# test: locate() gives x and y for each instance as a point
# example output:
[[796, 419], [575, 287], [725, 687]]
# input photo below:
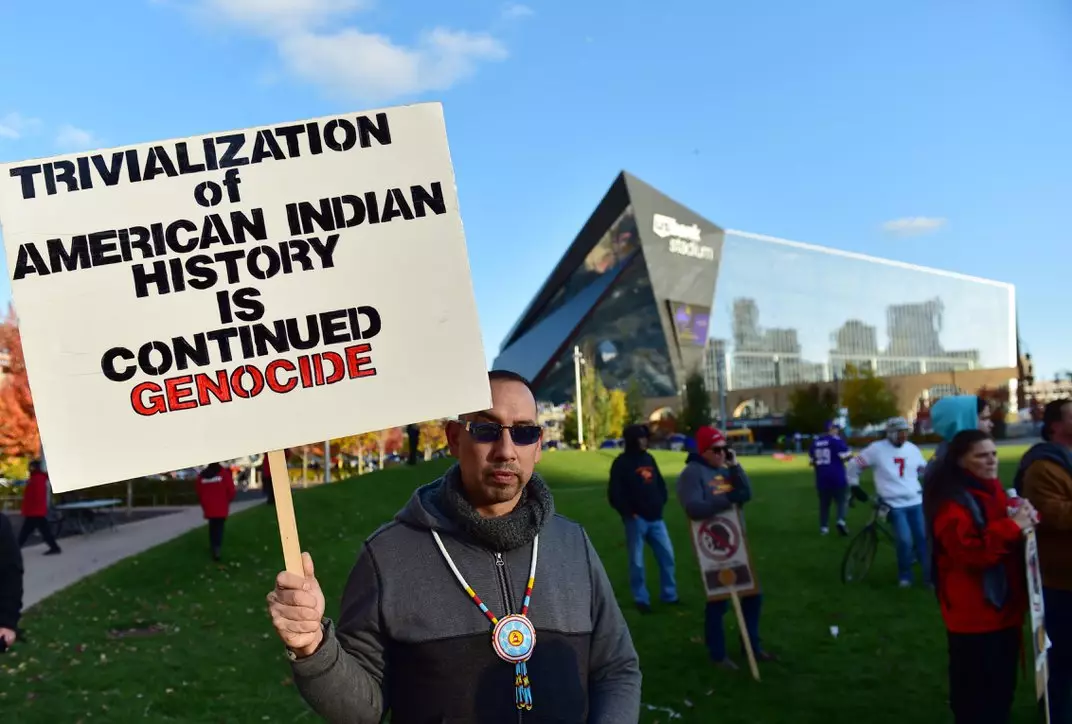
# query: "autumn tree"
[[810, 408], [695, 405], [617, 413], [19, 436], [433, 437], [868, 398]]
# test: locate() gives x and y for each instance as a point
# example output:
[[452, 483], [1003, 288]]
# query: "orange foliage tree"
[[433, 436], [19, 436]]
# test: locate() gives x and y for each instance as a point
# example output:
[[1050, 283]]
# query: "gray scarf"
[[505, 533]]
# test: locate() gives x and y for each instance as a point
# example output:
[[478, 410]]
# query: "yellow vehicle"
[[742, 435]]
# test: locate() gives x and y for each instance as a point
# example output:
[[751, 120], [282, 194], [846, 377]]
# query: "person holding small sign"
[[713, 481], [442, 611], [980, 575]]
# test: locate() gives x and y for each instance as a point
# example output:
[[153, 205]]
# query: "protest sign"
[[199, 299], [720, 545], [1037, 610], [726, 567]]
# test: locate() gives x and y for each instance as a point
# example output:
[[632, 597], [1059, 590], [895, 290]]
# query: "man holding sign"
[[441, 615], [712, 483]]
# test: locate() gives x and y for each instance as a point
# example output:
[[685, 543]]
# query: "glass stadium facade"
[[650, 290]]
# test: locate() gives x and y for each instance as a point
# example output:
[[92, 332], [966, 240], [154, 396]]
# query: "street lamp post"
[[578, 360], [327, 461]]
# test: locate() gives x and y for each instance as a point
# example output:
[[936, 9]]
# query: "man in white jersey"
[[897, 465]]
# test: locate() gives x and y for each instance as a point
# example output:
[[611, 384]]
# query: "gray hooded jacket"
[[410, 641]]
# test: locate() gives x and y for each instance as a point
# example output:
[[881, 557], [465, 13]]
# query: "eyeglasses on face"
[[488, 432]]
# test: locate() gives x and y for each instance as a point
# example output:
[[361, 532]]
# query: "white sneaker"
[[824, 531], [905, 584]]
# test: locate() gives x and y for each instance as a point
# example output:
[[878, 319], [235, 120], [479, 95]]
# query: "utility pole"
[[327, 461], [720, 380], [578, 360]]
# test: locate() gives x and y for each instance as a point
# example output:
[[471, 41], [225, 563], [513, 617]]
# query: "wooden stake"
[[284, 510], [744, 633]]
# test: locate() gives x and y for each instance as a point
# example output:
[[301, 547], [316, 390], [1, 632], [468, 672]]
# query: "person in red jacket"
[[216, 490], [35, 509], [980, 578]]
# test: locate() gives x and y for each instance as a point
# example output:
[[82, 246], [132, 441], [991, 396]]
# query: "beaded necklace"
[[513, 636]]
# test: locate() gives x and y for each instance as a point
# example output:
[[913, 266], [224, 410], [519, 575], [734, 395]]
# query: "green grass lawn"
[[214, 657]]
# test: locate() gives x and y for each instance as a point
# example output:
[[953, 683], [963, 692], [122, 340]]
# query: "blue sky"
[[929, 132]]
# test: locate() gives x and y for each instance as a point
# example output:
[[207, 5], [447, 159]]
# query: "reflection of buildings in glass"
[[772, 357]]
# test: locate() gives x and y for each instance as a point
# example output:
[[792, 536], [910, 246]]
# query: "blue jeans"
[[715, 636], [1059, 628], [637, 531], [910, 534]]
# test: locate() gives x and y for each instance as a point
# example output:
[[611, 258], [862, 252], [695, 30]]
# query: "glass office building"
[[650, 290]]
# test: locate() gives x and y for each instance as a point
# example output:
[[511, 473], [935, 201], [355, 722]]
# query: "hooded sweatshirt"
[[409, 639], [636, 484], [949, 416], [705, 491]]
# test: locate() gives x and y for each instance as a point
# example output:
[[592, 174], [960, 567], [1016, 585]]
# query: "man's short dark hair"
[[508, 376], [981, 403], [1053, 412]]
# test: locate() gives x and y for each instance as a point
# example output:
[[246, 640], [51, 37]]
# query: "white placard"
[[167, 292]]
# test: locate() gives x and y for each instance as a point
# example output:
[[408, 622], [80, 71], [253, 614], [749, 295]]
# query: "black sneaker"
[[842, 528], [53, 552], [644, 607]]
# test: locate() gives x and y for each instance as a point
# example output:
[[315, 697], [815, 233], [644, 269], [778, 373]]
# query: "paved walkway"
[[86, 554]]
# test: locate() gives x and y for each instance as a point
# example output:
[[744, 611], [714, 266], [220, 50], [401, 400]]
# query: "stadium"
[[651, 290]]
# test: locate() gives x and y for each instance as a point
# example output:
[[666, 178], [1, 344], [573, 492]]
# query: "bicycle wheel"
[[860, 555]]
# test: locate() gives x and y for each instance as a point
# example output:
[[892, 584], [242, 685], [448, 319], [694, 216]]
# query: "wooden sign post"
[[240, 292], [728, 578], [284, 511]]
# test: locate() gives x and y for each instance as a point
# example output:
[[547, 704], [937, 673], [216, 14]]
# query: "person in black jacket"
[[10, 584], [638, 492]]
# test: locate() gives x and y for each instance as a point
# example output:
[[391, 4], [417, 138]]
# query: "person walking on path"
[[1045, 478], [266, 479], [827, 455], [215, 490], [980, 575], [477, 603], [35, 509], [712, 482], [638, 492], [11, 572], [413, 434], [897, 464]]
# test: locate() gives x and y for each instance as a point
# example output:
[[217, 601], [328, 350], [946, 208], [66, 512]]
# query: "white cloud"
[[72, 138], [14, 125], [516, 11], [914, 225], [374, 68], [318, 44]]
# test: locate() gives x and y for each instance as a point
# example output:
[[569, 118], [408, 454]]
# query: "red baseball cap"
[[708, 437]]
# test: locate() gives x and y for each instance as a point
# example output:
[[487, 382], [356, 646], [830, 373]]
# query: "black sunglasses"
[[492, 432]]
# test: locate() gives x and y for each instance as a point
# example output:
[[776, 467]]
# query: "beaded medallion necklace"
[[513, 636]]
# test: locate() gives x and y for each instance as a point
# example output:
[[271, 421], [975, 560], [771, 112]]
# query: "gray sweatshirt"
[[409, 640]]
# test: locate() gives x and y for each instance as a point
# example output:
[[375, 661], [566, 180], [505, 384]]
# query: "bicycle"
[[864, 545]]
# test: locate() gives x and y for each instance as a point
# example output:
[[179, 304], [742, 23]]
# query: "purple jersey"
[[826, 455]]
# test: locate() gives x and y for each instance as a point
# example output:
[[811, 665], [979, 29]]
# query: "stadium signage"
[[683, 239]]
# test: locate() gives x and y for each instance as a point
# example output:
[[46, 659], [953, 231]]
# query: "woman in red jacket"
[[35, 509], [216, 490], [981, 582]]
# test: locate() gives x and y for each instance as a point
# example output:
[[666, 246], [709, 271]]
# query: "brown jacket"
[[1049, 488]]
